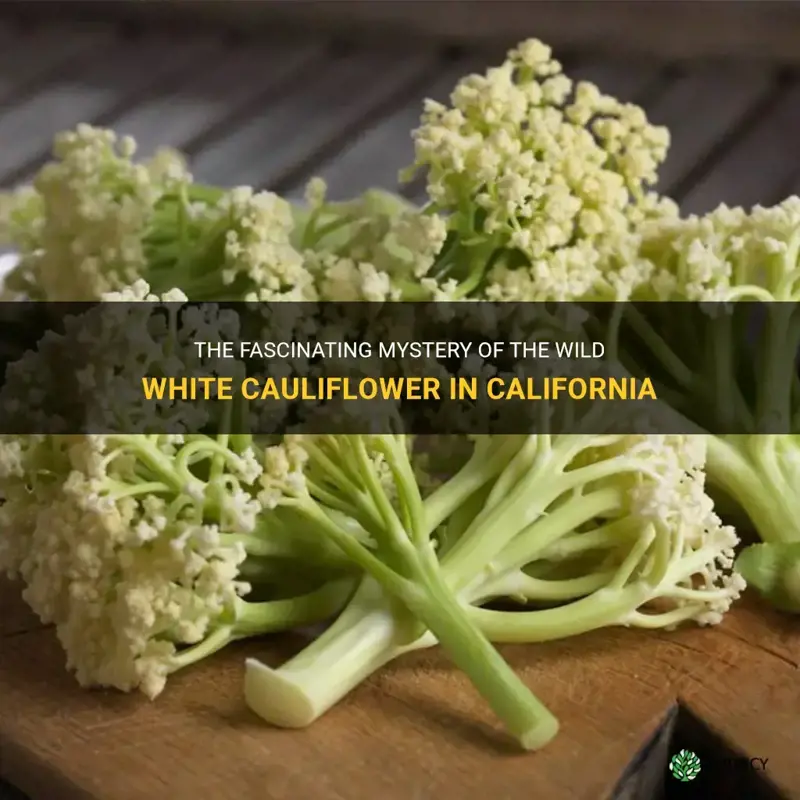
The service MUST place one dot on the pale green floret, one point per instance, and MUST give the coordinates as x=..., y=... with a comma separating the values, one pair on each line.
x=537, y=186
x=608, y=530
x=148, y=547
x=746, y=382
x=95, y=221
x=542, y=184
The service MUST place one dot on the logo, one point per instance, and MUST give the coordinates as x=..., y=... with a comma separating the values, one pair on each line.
x=684, y=766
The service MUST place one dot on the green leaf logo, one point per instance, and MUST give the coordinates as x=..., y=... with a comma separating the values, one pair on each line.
x=684, y=766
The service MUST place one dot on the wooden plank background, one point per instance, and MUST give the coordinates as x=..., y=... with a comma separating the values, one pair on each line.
x=274, y=108
x=674, y=29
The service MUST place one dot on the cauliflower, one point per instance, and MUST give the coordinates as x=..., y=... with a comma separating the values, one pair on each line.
x=96, y=221
x=543, y=184
x=142, y=551
x=728, y=363
x=151, y=550
x=612, y=529
x=90, y=223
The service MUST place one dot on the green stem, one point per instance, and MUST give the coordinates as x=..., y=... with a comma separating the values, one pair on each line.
x=350, y=546
x=599, y=610
x=118, y=490
x=392, y=538
x=730, y=409
x=253, y=619
x=394, y=449
x=327, y=229
x=526, y=718
x=606, y=537
x=481, y=259
x=533, y=540
x=280, y=535
x=257, y=619
x=151, y=457
x=521, y=511
x=655, y=343
x=526, y=587
x=485, y=464
x=777, y=358
x=522, y=507
x=218, y=639
x=634, y=558
x=280, y=546
x=748, y=470
x=368, y=633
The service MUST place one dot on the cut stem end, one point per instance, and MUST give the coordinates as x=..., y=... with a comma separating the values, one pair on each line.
x=276, y=698
x=541, y=734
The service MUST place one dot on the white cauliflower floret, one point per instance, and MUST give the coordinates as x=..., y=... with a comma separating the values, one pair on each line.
x=139, y=292
x=82, y=229
x=136, y=557
x=343, y=280
x=669, y=494
x=29, y=481
x=109, y=349
x=557, y=179
x=258, y=245
x=96, y=222
x=725, y=255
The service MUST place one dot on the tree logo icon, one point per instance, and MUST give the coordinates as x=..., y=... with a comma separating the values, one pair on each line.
x=684, y=766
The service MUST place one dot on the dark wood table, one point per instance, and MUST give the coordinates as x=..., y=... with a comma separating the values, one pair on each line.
x=417, y=729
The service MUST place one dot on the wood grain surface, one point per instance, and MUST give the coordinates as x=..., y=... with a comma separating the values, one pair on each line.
x=415, y=731
x=273, y=108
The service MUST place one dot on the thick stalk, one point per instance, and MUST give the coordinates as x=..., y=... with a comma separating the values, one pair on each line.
x=368, y=633
x=525, y=717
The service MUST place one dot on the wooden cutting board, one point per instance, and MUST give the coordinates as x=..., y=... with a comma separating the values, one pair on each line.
x=416, y=731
